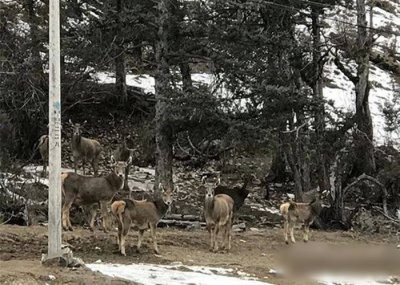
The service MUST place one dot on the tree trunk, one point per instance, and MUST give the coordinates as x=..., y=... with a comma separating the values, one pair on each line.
x=277, y=172
x=186, y=76
x=33, y=27
x=120, y=69
x=365, y=151
x=317, y=87
x=293, y=162
x=304, y=159
x=338, y=195
x=120, y=74
x=163, y=90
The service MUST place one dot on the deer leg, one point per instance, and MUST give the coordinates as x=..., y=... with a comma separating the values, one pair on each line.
x=211, y=232
x=95, y=165
x=229, y=232
x=306, y=230
x=140, y=239
x=126, y=223
x=104, y=215
x=224, y=233
x=126, y=186
x=93, y=212
x=44, y=168
x=229, y=237
x=65, y=213
x=216, y=230
x=69, y=222
x=83, y=166
x=75, y=163
x=119, y=235
x=286, y=230
x=153, y=230
x=291, y=227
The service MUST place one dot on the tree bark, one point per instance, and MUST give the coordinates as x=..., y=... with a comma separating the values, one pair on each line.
x=317, y=87
x=120, y=68
x=293, y=162
x=365, y=150
x=164, y=135
x=37, y=66
x=186, y=76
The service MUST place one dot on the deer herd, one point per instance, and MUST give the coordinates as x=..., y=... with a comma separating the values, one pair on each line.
x=220, y=202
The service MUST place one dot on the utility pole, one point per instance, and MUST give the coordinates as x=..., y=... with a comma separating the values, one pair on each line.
x=54, y=227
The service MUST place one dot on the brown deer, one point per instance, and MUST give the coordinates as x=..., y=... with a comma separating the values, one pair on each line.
x=122, y=153
x=143, y=214
x=89, y=191
x=43, y=147
x=218, y=213
x=305, y=213
x=84, y=149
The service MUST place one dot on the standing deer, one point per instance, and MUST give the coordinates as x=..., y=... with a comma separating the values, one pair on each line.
x=218, y=213
x=86, y=190
x=43, y=146
x=84, y=149
x=143, y=214
x=305, y=213
x=122, y=153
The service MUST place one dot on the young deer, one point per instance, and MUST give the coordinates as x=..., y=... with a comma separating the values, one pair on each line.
x=237, y=193
x=86, y=190
x=122, y=153
x=293, y=212
x=143, y=214
x=84, y=149
x=218, y=213
x=43, y=147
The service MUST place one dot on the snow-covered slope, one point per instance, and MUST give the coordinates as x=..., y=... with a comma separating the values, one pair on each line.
x=340, y=90
x=383, y=82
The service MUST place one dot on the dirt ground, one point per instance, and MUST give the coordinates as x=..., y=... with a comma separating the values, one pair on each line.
x=253, y=252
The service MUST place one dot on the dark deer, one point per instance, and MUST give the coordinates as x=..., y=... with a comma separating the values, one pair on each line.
x=84, y=149
x=89, y=191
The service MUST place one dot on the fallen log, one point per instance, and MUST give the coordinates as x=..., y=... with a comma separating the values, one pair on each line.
x=182, y=217
x=181, y=224
x=363, y=177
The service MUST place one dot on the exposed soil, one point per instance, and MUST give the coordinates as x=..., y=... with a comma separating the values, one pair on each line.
x=253, y=252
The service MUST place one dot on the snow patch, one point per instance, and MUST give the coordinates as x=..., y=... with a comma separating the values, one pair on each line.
x=151, y=274
x=353, y=280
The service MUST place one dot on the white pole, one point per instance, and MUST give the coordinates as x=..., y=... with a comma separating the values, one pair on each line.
x=54, y=241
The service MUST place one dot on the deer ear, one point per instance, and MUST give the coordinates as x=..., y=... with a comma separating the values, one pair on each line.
x=218, y=181
x=70, y=122
x=129, y=161
x=160, y=187
x=84, y=122
x=203, y=179
x=113, y=160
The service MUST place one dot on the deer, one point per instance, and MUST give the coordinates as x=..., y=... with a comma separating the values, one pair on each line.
x=84, y=149
x=238, y=194
x=143, y=214
x=43, y=146
x=294, y=212
x=123, y=153
x=90, y=191
x=218, y=213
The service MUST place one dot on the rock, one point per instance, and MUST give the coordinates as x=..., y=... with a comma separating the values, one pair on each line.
x=65, y=260
x=239, y=227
